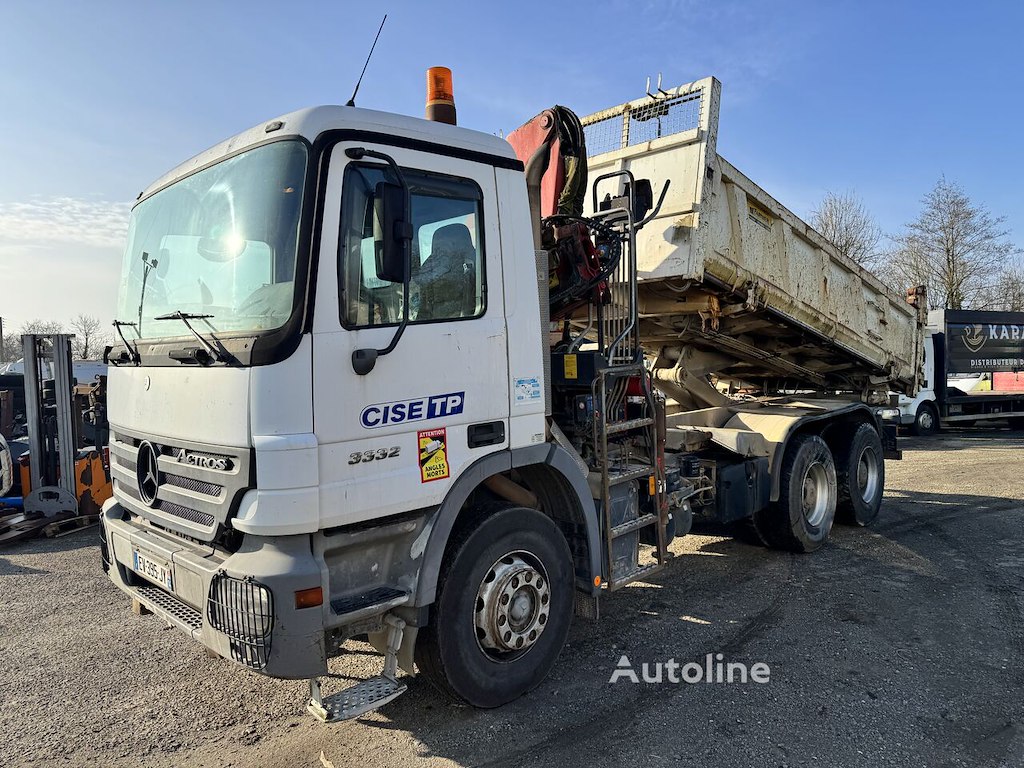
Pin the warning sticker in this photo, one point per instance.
(570, 366)
(433, 445)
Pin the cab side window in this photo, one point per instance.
(448, 280)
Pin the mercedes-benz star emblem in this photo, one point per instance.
(147, 473)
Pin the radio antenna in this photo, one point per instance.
(352, 102)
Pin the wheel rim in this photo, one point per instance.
(868, 474)
(512, 606)
(815, 494)
(925, 419)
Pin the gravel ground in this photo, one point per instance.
(899, 645)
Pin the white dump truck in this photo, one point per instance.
(393, 379)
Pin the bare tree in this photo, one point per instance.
(11, 347)
(846, 223)
(956, 248)
(1007, 293)
(41, 326)
(88, 336)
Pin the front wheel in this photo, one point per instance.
(860, 476)
(800, 521)
(926, 421)
(504, 605)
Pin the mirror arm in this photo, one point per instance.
(363, 360)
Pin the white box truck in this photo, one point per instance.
(972, 362)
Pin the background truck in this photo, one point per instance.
(972, 364)
(391, 378)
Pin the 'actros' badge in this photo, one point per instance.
(202, 460)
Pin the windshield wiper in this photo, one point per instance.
(185, 317)
(133, 352)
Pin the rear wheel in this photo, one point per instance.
(926, 421)
(801, 519)
(860, 476)
(503, 609)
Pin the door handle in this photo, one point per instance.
(488, 433)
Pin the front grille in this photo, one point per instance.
(128, 490)
(192, 515)
(179, 481)
(117, 437)
(243, 609)
(200, 485)
(194, 485)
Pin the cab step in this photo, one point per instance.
(355, 700)
(633, 473)
(371, 603)
(638, 575)
(634, 525)
(367, 695)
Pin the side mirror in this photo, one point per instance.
(392, 232)
(392, 235)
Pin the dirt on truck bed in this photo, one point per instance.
(899, 645)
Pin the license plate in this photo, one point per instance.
(151, 569)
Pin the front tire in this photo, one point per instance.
(926, 420)
(503, 609)
(800, 521)
(860, 477)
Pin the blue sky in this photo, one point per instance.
(100, 98)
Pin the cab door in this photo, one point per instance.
(396, 438)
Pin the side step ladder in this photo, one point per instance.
(367, 695)
(610, 395)
(618, 340)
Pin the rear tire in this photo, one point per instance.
(926, 421)
(503, 608)
(860, 477)
(800, 521)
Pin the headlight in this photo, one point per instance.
(889, 414)
(243, 609)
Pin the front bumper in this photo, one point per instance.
(240, 605)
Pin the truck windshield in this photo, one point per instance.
(221, 242)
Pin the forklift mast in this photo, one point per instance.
(52, 433)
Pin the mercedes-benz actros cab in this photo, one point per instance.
(391, 379)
